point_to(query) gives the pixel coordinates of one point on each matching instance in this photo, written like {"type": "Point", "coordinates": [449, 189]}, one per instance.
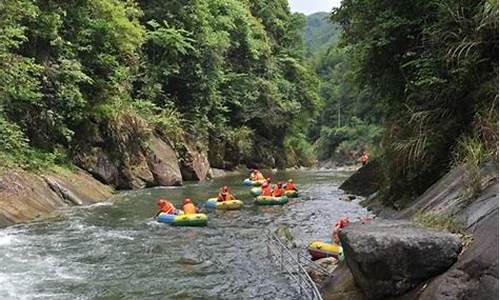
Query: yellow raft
{"type": "Point", "coordinates": [226, 205]}
{"type": "Point", "coordinates": [184, 220]}
{"type": "Point", "coordinates": [319, 249]}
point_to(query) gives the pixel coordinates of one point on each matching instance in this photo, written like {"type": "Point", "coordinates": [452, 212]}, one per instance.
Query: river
{"type": "Point", "coordinates": [115, 250]}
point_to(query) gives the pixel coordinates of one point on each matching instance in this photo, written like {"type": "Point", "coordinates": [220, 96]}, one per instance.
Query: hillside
{"type": "Point", "coordinates": [320, 32]}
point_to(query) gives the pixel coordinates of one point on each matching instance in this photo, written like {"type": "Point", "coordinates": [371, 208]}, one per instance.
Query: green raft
{"type": "Point", "coordinates": [269, 200]}
{"type": "Point", "coordinates": [292, 194]}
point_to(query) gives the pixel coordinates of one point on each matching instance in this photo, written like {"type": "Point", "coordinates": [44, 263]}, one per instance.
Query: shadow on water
{"type": "Point", "coordinates": [115, 250]}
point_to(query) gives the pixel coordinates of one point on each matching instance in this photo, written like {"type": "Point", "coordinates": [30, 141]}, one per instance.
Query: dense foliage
{"type": "Point", "coordinates": [229, 72]}
{"type": "Point", "coordinates": [349, 121]}
{"type": "Point", "coordinates": [319, 33]}
{"type": "Point", "coordinates": [432, 67]}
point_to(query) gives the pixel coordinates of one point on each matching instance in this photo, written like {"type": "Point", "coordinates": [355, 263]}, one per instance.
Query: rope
{"type": "Point", "coordinates": [292, 265]}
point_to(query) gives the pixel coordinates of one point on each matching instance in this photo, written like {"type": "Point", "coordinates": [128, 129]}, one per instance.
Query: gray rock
{"type": "Point", "coordinates": [194, 163]}
{"type": "Point", "coordinates": [475, 275]}
{"type": "Point", "coordinates": [136, 175]}
{"type": "Point", "coordinates": [163, 163]}
{"type": "Point", "coordinates": [365, 181]}
{"type": "Point", "coordinates": [62, 191]}
{"type": "Point", "coordinates": [98, 163]}
{"type": "Point", "coordinates": [388, 258]}
{"type": "Point", "coordinates": [342, 285]}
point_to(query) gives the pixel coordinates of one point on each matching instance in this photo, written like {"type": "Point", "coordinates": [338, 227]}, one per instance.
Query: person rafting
{"type": "Point", "coordinates": [256, 175]}
{"type": "Point", "coordinates": [364, 158]}
{"type": "Point", "coordinates": [188, 207]}
{"type": "Point", "coordinates": [278, 190]}
{"type": "Point", "coordinates": [166, 207]}
{"type": "Point", "coordinates": [290, 186]}
{"type": "Point", "coordinates": [266, 189]}
{"type": "Point", "coordinates": [225, 195]}
{"type": "Point", "coordinates": [341, 223]}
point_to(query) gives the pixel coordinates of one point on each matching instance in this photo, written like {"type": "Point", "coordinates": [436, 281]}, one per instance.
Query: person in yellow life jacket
{"type": "Point", "coordinates": [364, 158]}
{"type": "Point", "coordinates": [266, 189]}
{"type": "Point", "coordinates": [278, 190]}
{"type": "Point", "coordinates": [290, 186]}
{"type": "Point", "coordinates": [225, 195]}
{"type": "Point", "coordinates": [188, 207]}
{"type": "Point", "coordinates": [166, 207]}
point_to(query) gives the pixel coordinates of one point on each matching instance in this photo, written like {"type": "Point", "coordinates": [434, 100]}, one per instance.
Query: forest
{"type": "Point", "coordinates": [230, 74]}
{"type": "Point", "coordinates": [414, 83]}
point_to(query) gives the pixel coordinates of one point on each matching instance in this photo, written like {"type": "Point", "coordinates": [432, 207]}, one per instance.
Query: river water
{"type": "Point", "coordinates": [115, 250]}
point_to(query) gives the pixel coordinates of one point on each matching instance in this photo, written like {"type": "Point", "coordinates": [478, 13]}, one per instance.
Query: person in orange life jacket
{"type": "Point", "coordinates": [364, 158]}
{"type": "Point", "coordinates": [166, 207]}
{"type": "Point", "coordinates": [225, 195]}
{"type": "Point", "coordinates": [266, 189]}
{"type": "Point", "coordinates": [278, 190]}
{"type": "Point", "coordinates": [188, 207]}
{"type": "Point", "coordinates": [290, 186]}
{"type": "Point", "coordinates": [341, 223]}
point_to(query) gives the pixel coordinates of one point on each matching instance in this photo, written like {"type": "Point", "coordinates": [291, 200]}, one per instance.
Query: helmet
{"type": "Point", "coordinates": [290, 180]}
{"type": "Point", "coordinates": [225, 188]}
{"type": "Point", "coordinates": [187, 200]}
{"type": "Point", "coordinates": [280, 184]}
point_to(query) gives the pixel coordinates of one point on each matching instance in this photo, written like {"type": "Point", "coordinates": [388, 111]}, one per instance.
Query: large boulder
{"type": "Point", "coordinates": [365, 181]}
{"type": "Point", "coordinates": [475, 275]}
{"type": "Point", "coordinates": [136, 174]}
{"type": "Point", "coordinates": [194, 163]}
{"type": "Point", "coordinates": [342, 285]}
{"type": "Point", "coordinates": [388, 258]}
{"type": "Point", "coordinates": [26, 196]}
{"type": "Point", "coordinates": [163, 163]}
{"type": "Point", "coordinates": [99, 163]}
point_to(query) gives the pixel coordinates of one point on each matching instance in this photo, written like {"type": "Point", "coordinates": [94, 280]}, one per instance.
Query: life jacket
{"type": "Point", "coordinates": [343, 222]}
{"type": "Point", "coordinates": [189, 209]}
{"type": "Point", "coordinates": [167, 208]}
{"type": "Point", "coordinates": [290, 187]}
{"type": "Point", "coordinates": [278, 192]}
{"type": "Point", "coordinates": [225, 196]}
{"type": "Point", "coordinates": [266, 191]}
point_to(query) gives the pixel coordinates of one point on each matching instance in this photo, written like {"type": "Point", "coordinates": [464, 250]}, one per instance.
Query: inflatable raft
{"type": "Point", "coordinates": [226, 205]}
{"type": "Point", "coordinates": [319, 249]}
{"type": "Point", "coordinates": [255, 191]}
{"type": "Point", "coordinates": [184, 220]}
{"type": "Point", "coordinates": [249, 182]}
{"type": "Point", "coordinates": [292, 194]}
{"type": "Point", "coordinates": [269, 200]}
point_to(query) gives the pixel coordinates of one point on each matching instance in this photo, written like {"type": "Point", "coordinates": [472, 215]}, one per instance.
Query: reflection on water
{"type": "Point", "coordinates": [115, 250]}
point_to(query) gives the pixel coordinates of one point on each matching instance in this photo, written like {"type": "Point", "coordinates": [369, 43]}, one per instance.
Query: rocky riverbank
{"type": "Point", "coordinates": [399, 259]}
{"type": "Point", "coordinates": [25, 196]}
